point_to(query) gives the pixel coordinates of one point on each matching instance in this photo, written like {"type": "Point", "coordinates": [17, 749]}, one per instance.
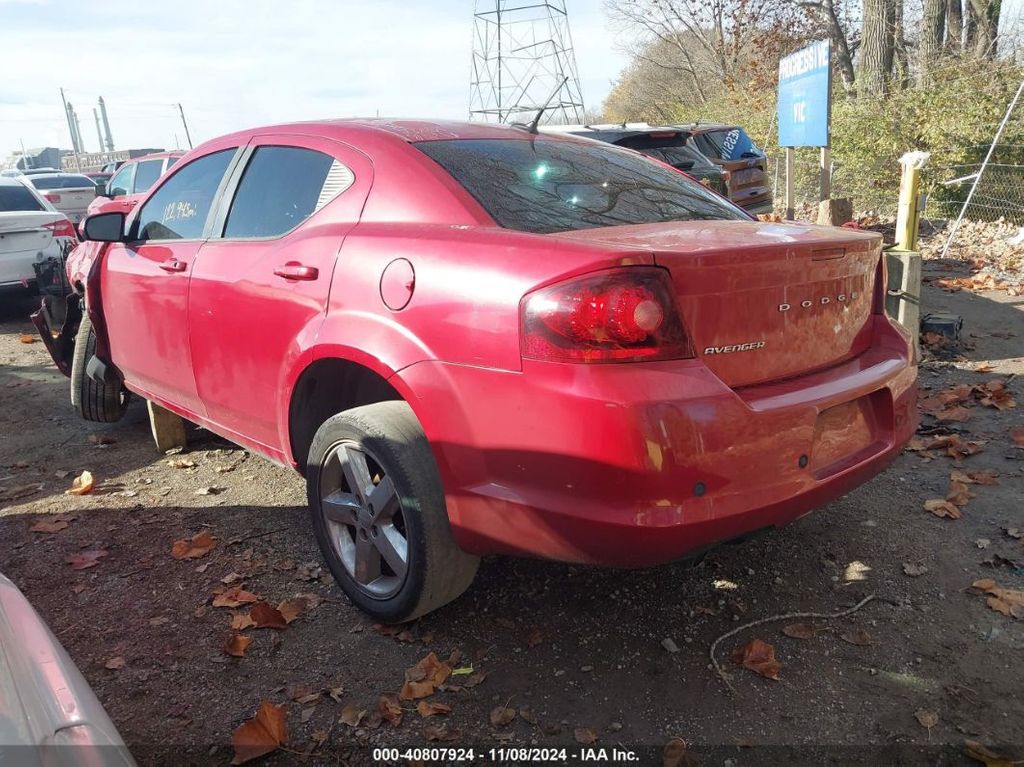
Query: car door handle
{"type": "Point", "coordinates": [296, 271]}
{"type": "Point", "coordinates": [173, 265]}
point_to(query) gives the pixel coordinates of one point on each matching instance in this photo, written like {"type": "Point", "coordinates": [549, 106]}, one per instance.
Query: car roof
{"type": "Point", "coordinates": [706, 127]}
{"type": "Point", "coordinates": [154, 156]}
{"type": "Point", "coordinates": [11, 181]}
{"type": "Point", "coordinates": [57, 174]}
{"type": "Point", "coordinates": [612, 130]}
{"type": "Point", "coordinates": [408, 130]}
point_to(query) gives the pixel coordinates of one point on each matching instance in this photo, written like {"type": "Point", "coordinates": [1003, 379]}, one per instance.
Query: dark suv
{"type": "Point", "coordinates": [666, 144]}
{"type": "Point", "coordinates": [731, 148]}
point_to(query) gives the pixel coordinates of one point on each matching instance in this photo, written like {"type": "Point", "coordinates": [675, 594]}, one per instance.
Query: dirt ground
{"type": "Point", "coordinates": [921, 669]}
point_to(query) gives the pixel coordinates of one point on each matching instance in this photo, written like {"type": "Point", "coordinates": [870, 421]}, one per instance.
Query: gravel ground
{"type": "Point", "coordinates": [570, 649]}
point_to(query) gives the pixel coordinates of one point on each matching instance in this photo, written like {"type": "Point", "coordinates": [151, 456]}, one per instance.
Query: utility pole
{"type": "Point", "coordinates": [188, 137]}
{"type": "Point", "coordinates": [106, 125]}
{"type": "Point", "coordinates": [71, 129]}
{"type": "Point", "coordinates": [99, 132]}
{"type": "Point", "coordinates": [24, 156]}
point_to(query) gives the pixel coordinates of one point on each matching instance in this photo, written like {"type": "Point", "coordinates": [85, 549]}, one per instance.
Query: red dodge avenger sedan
{"type": "Point", "coordinates": [473, 339]}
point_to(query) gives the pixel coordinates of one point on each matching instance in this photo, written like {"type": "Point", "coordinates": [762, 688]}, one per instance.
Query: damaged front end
{"type": "Point", "coordinates": [58, 318]}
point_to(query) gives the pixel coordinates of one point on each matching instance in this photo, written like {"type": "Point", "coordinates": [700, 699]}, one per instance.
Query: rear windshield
{"type": "Point", "coordinates": [727, 144]}
{"type": "Point", "coordinates": [63, 182]}
{"type": "Point", "coordinates": [18, 198]}
{"type": "Point", "coordinates": [544, 186]}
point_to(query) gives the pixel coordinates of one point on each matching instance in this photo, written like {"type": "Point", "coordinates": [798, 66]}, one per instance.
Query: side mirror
{"type": "Point", "coordinates": [104, 227]}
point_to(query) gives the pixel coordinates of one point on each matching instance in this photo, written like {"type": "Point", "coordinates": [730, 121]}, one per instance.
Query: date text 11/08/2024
{"type": "Point", "coordinates": [503, 754]}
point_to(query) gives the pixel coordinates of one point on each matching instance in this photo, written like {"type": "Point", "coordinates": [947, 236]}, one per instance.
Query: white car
{"type": "Point", "coordinates": [70, 193]}
{"type": "Point", "coordinates": [45, 703]}
{"type": "Point", "coordinates": [31, 232]}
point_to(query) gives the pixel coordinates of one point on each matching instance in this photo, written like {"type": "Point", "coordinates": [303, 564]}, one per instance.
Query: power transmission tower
{"type": "Point", "coordinates": [522, 50]}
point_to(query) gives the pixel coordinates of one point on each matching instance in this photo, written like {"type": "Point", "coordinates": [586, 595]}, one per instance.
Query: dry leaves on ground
{"type": "Point", "coordinates": [986, 477]}
{"type": "Point", "coordinates": [534, 638]}
{"type": "Point", "coordinates": [940, 507]}
{"type": "Point", "coordinates": [261, 735]}
{"type": "Point", "coordinates": [926, 719]}
{"type": "Point", "coordinates": [352, 715]}
{"type": "Point", "coordinates": [858, 637]}
{"type": "Point", "coordinates": [83, 560]}
{"type": "Point", "coordinates": [1017, 435]}
{"type": "Point", "coordinates": [49, 525]}
{"type": "Point", "coordinates": [27, 339]}
{"type": "Point", "coordinates": [199, 545]}
{"type": "Point", "coordinates": [981, 753]}
{"type": "Point", "coordinates": [266, 616]}
{"type": "Point", "coordinates": [584, 736]}
{"type": "Point", "coordinates": [802, 630]}
{"type": "Point", "coordinates": [236, 644]}
{"type": "Point", "coordinates": [114, 664]}
{"type": "Point", "coordinates": [233, 597]}
{"type": "Point", "coordinates": [424, 678]}
{"type": "Point", "coordinates": [441, 733]}
{"type": "Point", "coordinates": [82, 484]}
{"type": "Point", "coordinates": [390, 709]}
{"type": "Point", "coordinates": [427, 708]}
{"type": "Point", "coordinates": [759, 657]}
{"type": "Point", "coordinates": [676, 754]}
{"type": "Point", "coordinates": [501, 716]}
{"type": "Point", "coordinates": [1009, 602]}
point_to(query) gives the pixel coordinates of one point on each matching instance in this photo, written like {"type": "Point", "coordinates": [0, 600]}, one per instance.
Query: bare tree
{"type": "Point", "coordinates": [955, 25]}
{"type": "Point", "coordinates": [933, 33]}
{"type": "Point", "coordinates": [878, 47]}
{"type": "Point", "coordinates": [827, 12]}
{"type": "Point", "coordinates": [984, 16]}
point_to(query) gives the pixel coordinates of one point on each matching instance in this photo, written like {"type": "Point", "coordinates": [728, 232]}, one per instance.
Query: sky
{"type": "Point", "coordinates": [235, 64]}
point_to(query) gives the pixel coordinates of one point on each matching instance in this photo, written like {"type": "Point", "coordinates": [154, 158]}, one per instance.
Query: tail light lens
{"type": "Point", "coordinates": [621, 315]}
{"type": "Point", "coordinates": [53, 197]}
{"type": "Point", "coordinates": [61, 228]}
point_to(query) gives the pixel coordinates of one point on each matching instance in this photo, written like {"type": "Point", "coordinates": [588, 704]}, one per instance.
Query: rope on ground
{"type": "Point", "coordinates": [771, 618]}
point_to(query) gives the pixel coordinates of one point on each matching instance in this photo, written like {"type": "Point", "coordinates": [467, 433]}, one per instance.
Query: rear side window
{"type": "Point", "coordinates": [282, 187]}
{"type": "Point", "coordinates": [728, 144]}
{"type": "Point", "coordinates": [178, 209]}
{"type": "Point", "coordinates": [543, 185]}
{"type": "Point", "coordinates": [18, 198]}
{"type": "Point", "coordinates": [62, 182]}
{"type": "Point", "coordinates": [146, 175]}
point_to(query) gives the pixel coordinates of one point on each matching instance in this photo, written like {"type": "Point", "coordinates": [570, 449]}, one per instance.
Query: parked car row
{"type": "Point", "coordinates": [32, 233]}
{"type": "Point", "coordinates": [723, 157]}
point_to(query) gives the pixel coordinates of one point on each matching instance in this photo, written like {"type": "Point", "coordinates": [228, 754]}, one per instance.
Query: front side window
{"type": "Point", "coordinates": [170, 162]}
{"type": "Point", "coordinates": [18, 198]}
{"type": "Point", "coordinates": [548, 185]}
{"type": "Point", "coordinates": [178, 209]}
{"type": "Point", "coordinates": [281, 187]}
{"type": "Point", "coordinates": [146, 175]}
{"type": "Point", "coordinates": [121, 182]}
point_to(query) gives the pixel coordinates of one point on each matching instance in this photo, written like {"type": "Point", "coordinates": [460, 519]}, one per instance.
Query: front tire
{"type": "Point", "coordinates": [93, 400]}
{"type": "Point", "coordinates": [379, 514]}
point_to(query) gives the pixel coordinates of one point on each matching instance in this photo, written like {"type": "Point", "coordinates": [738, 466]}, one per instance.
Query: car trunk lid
{"type": "Point", "coordinates": [24, 231]}
{"type": "Point", "coordinates": [763, 301]}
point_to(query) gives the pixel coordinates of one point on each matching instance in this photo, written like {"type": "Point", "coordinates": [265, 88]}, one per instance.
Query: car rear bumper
{"type": "Point", "coordinates": [633, 465]}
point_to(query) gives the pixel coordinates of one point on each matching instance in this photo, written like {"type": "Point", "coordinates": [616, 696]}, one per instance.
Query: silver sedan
{"type": "Point", "coordinates": [70, 193]}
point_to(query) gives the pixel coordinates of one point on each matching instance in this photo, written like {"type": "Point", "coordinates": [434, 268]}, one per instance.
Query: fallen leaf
{"type": "Point", "coordinates": [584, 736]}
{"type": "Point", "coordinates": [114, 664]}
{"type": "Point", "coordinates": [241, 621]}
{"type": "Point", "coordinates": [81, 485]}
{"type": "Point", "coordinates": [527, 715]}
{"type": "Point", "coordinates": [959, 494]}
{"type": "Point", "coordinates": [181, 463]}
{"type": "Point", "coordinates": [982, 543]}
{"type": "Point", "coordinates": [957, 413]}
{"type": "Point", "coordinates": [86, 559]}
{"type": "Point", "coordinates": [390, 709]}
{"type": "Point", "coordinates": [981, 753]}
{"type": "Point", "coordinates": [1009, 602]}
{"type": "Point", "coordinates": [501, 716]}
{"type": "Point", "coordinates": [463, 671]}
{"type": "Point", "coordinates": [759, 657]}
{"type": "Point", "coordinates": [266, 616]}
{"type": "Point", "coordinates": [926, 719]}
{"type": "Point", "coordinates": [291, 609]}
{"type": "Point", "coordinates": [424, 678]}
{"type": "Point", "coordinates": [49, 526]}
{"type": "Point", "coordinates": [352, 715]}
{"type": "Point", "coordinates": [265, 733]}
{"type": "Point", "coordinates": [101, 439]}
{"type": "Point", "coordinates": [940, 507]}
{"type": "Point", "coordinates": [441, 733]}
{"type": "Point", "coordinates": [676, 754]}
{"type": "Point", "coordinates": [914, 570]}
{"type": "Point", "coordinates": [27, 339]}
{"type": "Point", "coordinates": [236, 643]}
{"type": "Point", "coordinates": [199, 545]}
{"type": "Point", "coordinates": [1017, 435]}
{"type": "Point", "coordinates": [233, 597]}
{"type": "Point", "coordinates": [858, 637]}
{"type": "Point", "coordinates": [1014, 532]}
{"type": "Point", "coordinates": [429, 708]}
{"type": "Point", "coordinates": [987, 477]}
{"type": "Point", "coordinates": [802, 630]}
{"type": "Point", "coordinates": [534, 638]}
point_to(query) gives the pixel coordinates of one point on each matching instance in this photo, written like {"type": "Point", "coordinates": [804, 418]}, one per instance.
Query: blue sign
{"type": "Point", "coordinates": [805, 92]}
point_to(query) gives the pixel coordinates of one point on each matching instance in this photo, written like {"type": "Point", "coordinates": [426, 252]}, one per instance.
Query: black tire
{"type": "Point", "coordinates": [92, 400]}
{"type": "Point", "coordinates": [393, 446]}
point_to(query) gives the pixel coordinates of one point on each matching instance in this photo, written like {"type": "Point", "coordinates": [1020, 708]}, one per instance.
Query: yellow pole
{"type": "Point", "coordinates": [908, 211]}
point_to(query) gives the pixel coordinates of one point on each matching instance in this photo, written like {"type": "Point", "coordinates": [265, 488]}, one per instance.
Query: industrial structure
{"type": "Point", "coordinates": [522, 59]}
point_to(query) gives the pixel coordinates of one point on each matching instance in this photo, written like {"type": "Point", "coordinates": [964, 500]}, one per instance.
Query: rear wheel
{"type": "Point", "coordinates": [93, 400]}
{"type": "Point", "coordinates": [379, 514]}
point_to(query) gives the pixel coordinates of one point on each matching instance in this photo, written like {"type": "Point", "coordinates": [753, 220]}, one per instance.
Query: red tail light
{"type": "Point", "coordinates": [621, 315]}
{"type": "Point", "coordinates": [61, 228]}
{"type": "Point", "coordinates": [53, 197]}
